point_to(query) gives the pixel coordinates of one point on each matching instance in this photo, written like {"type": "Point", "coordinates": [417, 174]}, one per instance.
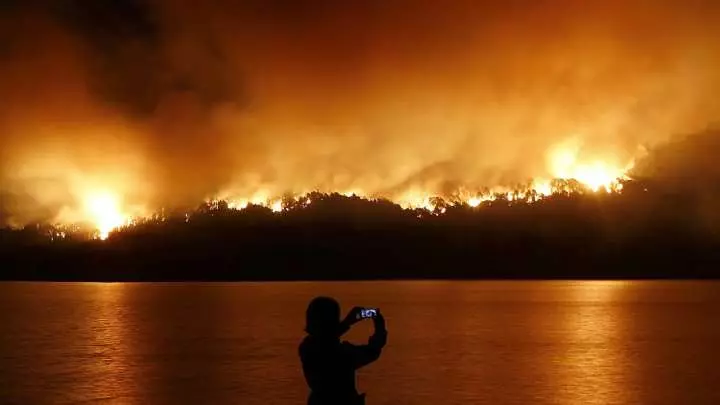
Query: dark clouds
{"type": "Point", "coordinates": [197, 97]}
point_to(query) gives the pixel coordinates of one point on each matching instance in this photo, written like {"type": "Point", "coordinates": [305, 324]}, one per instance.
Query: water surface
{"type": "Point", "coordinates": [450, 342]}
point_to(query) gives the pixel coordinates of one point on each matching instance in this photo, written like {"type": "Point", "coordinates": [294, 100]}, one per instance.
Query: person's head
{"type": "Point", "coordinates": [322, 317]}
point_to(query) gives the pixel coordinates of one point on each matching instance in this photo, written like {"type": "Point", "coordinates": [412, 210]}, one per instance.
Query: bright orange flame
{"type": "Point", "coordinates": [104, 212]}
{"type": "Point", "coordinates": [596, 175]}
{"type": "Point", "coordinates": [563, 162]}
{"type": "Point", "coordinates": [240, 204]}
{"type": "Point", "coordinates": [543, 188]}
{"type": "Point", "coordinates": [474, 201]}
{"type": "Point", "coordinates": [276, 206]}
{"type": "Point", "coordinates": [414, 199]}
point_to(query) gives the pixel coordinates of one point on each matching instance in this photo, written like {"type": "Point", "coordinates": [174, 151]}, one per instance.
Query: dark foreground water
{"type": "Point", "coordinates": [450, 342]}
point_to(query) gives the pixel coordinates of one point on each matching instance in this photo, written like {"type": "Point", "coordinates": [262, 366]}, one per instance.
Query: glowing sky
{"type": "Point", "coordinates": [166, 102]}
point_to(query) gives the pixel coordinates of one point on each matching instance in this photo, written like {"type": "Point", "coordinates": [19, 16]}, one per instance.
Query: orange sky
{"type": "Point", "coordinates": [169, 102]}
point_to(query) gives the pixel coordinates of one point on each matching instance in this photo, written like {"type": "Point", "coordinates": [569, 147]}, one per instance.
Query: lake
{"type": "Point", "coordinates": [454, 342]}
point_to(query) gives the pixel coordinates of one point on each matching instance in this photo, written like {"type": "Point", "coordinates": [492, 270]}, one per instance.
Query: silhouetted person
{"type": "Point", "coordinates": [328, 364]}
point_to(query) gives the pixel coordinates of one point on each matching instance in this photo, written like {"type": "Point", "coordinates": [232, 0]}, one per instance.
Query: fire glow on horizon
{"type": "Point", "coordinates": [104, 210]}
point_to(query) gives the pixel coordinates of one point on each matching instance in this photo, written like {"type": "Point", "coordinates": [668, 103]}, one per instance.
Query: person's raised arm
{"type": "Point", "coordinates": [379, 338]}
{"type": "Point", "coordinates": [366, 354]}
{"type": "Point", "coordinates": [351, 319]}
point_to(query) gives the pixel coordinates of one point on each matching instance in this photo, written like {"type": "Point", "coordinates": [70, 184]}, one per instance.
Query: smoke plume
{"type": "Point", "coordinates": [167, 102]}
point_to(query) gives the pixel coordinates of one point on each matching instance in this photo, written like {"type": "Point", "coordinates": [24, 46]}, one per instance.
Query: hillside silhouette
{"type": "Point", "coordinates": [639, 233]}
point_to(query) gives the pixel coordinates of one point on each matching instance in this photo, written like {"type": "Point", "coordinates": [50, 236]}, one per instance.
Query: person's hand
{"type": "Point", "coordinates": [353, 316]}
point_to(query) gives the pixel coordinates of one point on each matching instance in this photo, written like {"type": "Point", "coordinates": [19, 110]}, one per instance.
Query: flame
{"type": "Point", "coordinates": [277, 206]}
{"type": "Point", "coordinates": [563, 164]}
{"type": "Point", "coordinates": [596, 175]}
{"type": "Point", "coordinates": [240, 204]}
{"type": "Point", "coordinates": [103, 210]}
{"type": "Point", "coordinates": [101, 201]}
{"type": "Point", "coordinates": [599, 174]}
{"type": "Point", "coordinates": [474, 201]}
{"type": "Point", "coordinates": [543, 187]}
{"type": "Point", "coordinates": [414, 199]}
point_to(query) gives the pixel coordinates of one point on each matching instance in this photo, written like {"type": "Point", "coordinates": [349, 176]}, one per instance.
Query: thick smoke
{"type": "Point", "coordinates": [169, 102]}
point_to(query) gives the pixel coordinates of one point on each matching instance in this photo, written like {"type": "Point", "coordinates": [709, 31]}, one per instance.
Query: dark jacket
{"type": "Point", "coordinates": [329, 366]}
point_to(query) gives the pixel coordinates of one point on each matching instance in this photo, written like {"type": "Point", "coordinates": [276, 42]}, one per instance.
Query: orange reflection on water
{"type": "Point", "coordinates": [593, 365]}
{"type": "Point", "coordinates": [112, 372]}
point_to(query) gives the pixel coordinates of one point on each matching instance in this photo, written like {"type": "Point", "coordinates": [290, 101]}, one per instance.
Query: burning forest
{"type": "Point", "coordinates": [120, 115]}
{"type": "Point", "coordinates": [103, 211]}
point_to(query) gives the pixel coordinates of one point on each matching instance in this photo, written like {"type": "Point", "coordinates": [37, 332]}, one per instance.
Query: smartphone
{"type": "Point", "coordinates": [368, 313]}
